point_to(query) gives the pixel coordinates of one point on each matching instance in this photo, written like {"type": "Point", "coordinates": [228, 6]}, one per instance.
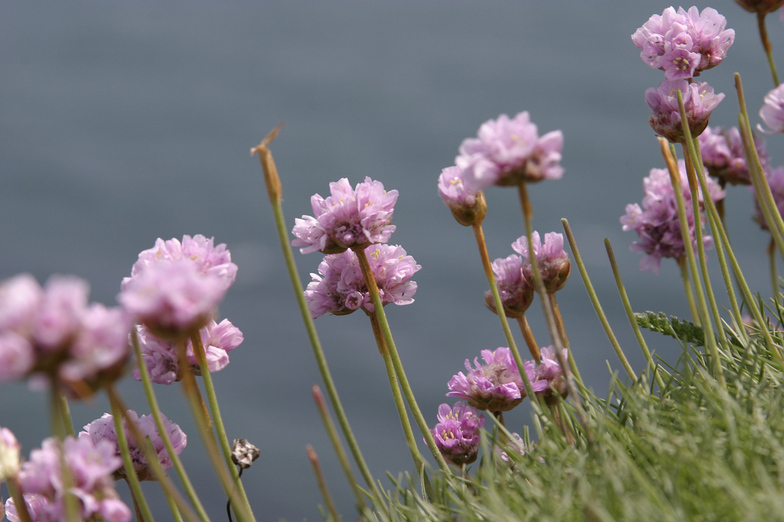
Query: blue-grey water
{"type": "Point", "coordinates": [124, 122]}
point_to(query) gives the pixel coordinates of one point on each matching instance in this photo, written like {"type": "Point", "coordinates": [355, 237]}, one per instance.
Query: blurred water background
{"type": "Point", "coordinates": [124, 122]}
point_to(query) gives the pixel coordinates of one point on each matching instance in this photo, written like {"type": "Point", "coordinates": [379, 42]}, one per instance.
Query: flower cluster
{"type": "Point", "coordinates": [54, 332]}
{"type": "Point", "coordinates": [103, 429]}
{"type": "Point", "coordinates": [90, 467]}
{"type": "Point", "coordinates": [657, 223]}
{"type": "Point", "coordinates": [684, 43]}
{"type": "Point", "coordinates": [161, 359]}
{"type": "Point", "coordinates": [457, 432]}
{"type": "Point", "coordinates": [175, 286]}
{"type": "Point", "coordinates": [724, 157]}
{"type": "Point", "coordinates": [348, 218]}
{"type": "Point", "coordinates": [515, 290]}
{"type": "Point", "coordinates": [340, 289]}
{"type": "Point", "coordinates": [509, 151]}
{"type": "Point", "coordinates": [551, 259]}
{"type": "Point", "coordinates": [699, 100]}
{"type": "Point", "coordinates": [772, 111]}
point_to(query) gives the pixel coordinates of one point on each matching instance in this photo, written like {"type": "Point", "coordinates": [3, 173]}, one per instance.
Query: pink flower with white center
{"type": "Point", "coordinates": [551, 259]}
{"type": "Point", "coordinates": [508, 151]}
{"type": "Point", "coordinates": [724, 157]}
{"type": "Point", "coordinates": [103, 429]}
{"type": "Point", "coordinates": [775, 179]}
{"type": "Point", "coordinates": [160, 356]}
{"type": "Point", "coordinates": [468, 206]}
{"type": "Point", "coordinates": [348, 218]}
{"type": "Point", "coordinates": [657, 223]}
{"type": "Point", "coordinates": [699, 100]}
{"type": "Point", "coordinates": [90, 466]}
{"type": "Point", "coordinates": [772, 112]}
{"type": "Point", "coordinates": [340, 289]}
{"type": "Point", "coordinates": [684, 43]}
{"type": "Point", "coordinates": [496, 385]}
{"type": "Point", "coordinates": [457, 432]}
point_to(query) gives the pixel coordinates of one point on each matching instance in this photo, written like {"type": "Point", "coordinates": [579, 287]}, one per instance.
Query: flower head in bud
{"type": "Point", "coordinates": [457, 432]}
{"type": "Point", "coordinates": [346, 219]}
{"type": "Point", "coordinates": [339, 288]}
{"type": "Point", "coordinates": [551, 259]}
{"type": "Point", "coordinates": [772, 111]}
{"type": "Point", "coordinates": [515, 290]}
{"type": "Point", "coordinates": [509, 151]}
{"type": "Point", "coordinates": [699, 100]}
{"type": "Point", "coordinates": [467, 206]}
{"type": "Point", "coordinates": [243, 453]}
{"type": "Point", "coordinates": [494, 386]}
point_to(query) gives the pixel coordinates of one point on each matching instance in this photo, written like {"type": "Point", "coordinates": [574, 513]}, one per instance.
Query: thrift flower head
{"type": "Point", "coordinates": [509, 151]}
{"type": "Point", "coordinates": [346, 219]}
{"type": "Point", "coordinates": [457, 432]}
{"type": "Point", "coordinates": [657, 223]}
{"type": "Point", "coordinates": [160, 356]}
{"type": "Point", "coordinates": [494, 386]}
{"type": "Point", "coordinates": [551, 259]}
{"type": "Point", "coordinates": [684, 43]}
{"type": "Point", "coordinates": [103, 429]}
{"type": "Point", "coordinates": [468, 206]}
{"type": "Point", "coordinates": [724, 157]}
{"type": "Point", "coordinates": [175, 286]}
{"type": "Point", "coordinates": [699, 100]}
{"type": "Point", "coordinates": [515, 290]}
{"type": "Point", "coordinates": [772, 112]}
{"type": "Point", "coordinates": [549, 371]}
{"type": "Point", "coordinates": [9, 454]}
{"type": "Point", "coordinates": [340, 289]}
{"type": "Point", "coordinates": [775, 179]}
{"type": "Point", "coordinates": [52, 332]}
{"type": "Point", "coordinates": [36, 508]}
{"type": "Point", "coordinates": [91, 466]}
{"type": "Point", "coordinates": [760, 6]}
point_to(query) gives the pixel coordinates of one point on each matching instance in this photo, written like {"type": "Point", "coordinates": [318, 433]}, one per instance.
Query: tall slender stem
{"type": "Point", "coordinates": [763, 31]}
{"type": "Point", "coordinates": [528, 335]}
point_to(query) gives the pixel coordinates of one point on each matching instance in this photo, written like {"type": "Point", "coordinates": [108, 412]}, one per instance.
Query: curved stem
{"type": "Point", "coordinates": [763, 31]}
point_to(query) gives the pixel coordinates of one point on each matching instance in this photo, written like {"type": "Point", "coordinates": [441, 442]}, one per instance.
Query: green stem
{"type": "Point", "coordinates": [58, 428]}
{"type": "Point", "coordinates": [139, 500]}
{"type": "Point", "coordinates": [684, 269]}
{"type": "Point", "coordinates": [378, 306]}
{"type": "Point", "coordinates": [396, 394]}
{"type": "Point", "coordinates": [774, 279]}
{"type": "Point", "coordinates": [274, 190]}
{"type": "Point", "coordinates": [528, 335]}
{"type": "Point", "coordinates": [630, 314]}
{"type": "Point", "coordinates": [223, 440]}
{"type": "Point", "coordinates": [578, 260]}
{"type": "Point", "coordinates": [65, 412]}
{"type": "Point", "coordinates": [763, 31]}
{"type": "Point", "coordinates": [19, 501]}
{"type": "Point", "coordinates": [163, 432]}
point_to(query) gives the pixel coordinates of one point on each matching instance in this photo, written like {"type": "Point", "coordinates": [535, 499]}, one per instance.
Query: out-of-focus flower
{"type": "Point", "coordinates": [551, 259]}
{"type": "Point", "coordinates": [90, 465]}
{"type": "Point", "coordinates": [684, 43]}
{"type": "Point", "coordinates": [550, 372]}
{"type": "Point", "coordinates": [348, 218]}
{"type": "Point", "coordinates": [9, 454]}
{"type": "Point", "coordinates": [772, 111]}
{"type": "Point", "coordinates": [699, 100]}
{"type": "Point", "coordinates": [36, 508]}
{"type": "Point", "coordinates": [775, 179]}
{"type": "Point", "coordinates": [103, 429]}
{"type": "Point", "coordinates": [160, 356]}
{"type": "Point", "coordinates": [515, 290]}
{"type": "Point", "coordinates": [340, 289]}
{"type": "Point", "coordinates": [52, 332]}
{"type": "Point", "coordinates": [724, 157]}
{"type": "Point", "coordinates": [508, 151]}
{"type": "Point", "coordinates": [494, 386]}
{"type": "Point", "coordinates": [760, 6]}
{"type": "Point", "coordinates": [515, 445]}
{"type": "Point", "coordinates": [467, 206]}
{"type": "Point", "coordinates": [175, 286]}
{"type": "Point", "coordinates": [657, 223]}
{"type": "Point", "coordinates": [457, 432]}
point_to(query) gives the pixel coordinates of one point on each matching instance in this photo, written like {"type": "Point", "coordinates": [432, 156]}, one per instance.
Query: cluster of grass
{"type": "Point", "coordinates": [688, 451]}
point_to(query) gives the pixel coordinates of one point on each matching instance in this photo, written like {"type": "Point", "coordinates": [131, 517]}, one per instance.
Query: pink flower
{"type": "Point", "coordinates": [699, 101]}
{"type": "Point", "coordinates": [724, 157]}
{"type": "Point", "coordinates": [457, 432]}
{"type": "Point", "coordinates": [348, 218]}
{"type": "Point", "coordinates": [775, 179]}
{"type": "Point", "coordinates": [515, 290]}
{"type": "Point", "coordinates": [772, 112]}
{"type": "Point", "coordinates": [467, 205]}
{"type": "Point", "coordinates": [508, 151]}
{"type": "Point", "coordinates": [551, 259]}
